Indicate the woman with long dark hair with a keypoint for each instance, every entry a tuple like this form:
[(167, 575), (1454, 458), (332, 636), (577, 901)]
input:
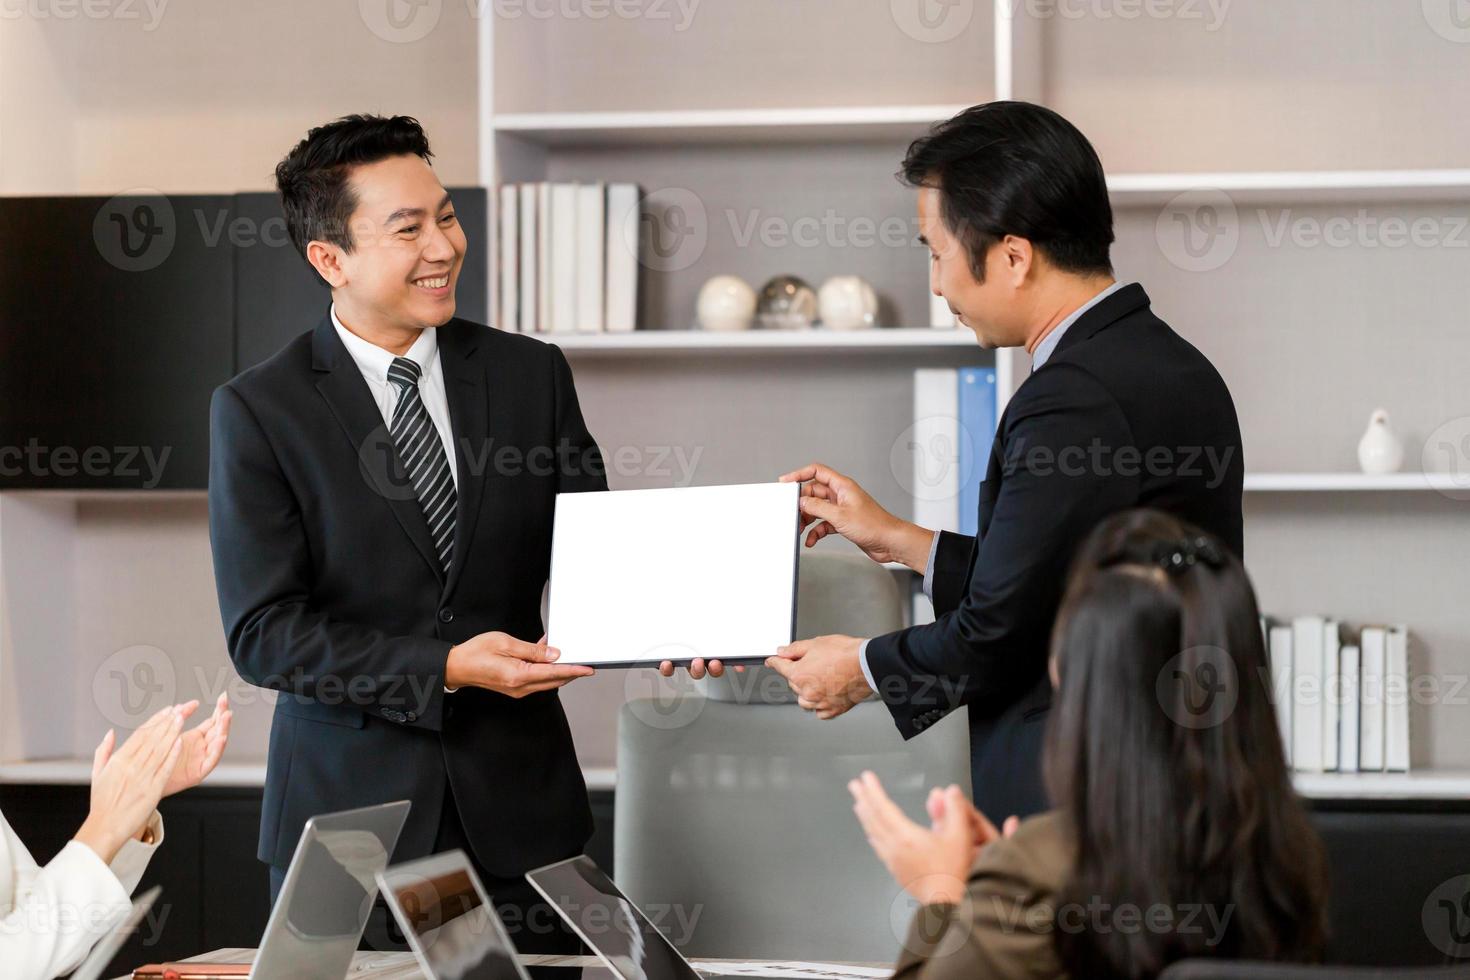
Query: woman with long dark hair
[(1176, 831)]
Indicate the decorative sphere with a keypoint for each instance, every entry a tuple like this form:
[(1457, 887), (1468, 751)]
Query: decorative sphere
[(726, 303), (786, 303), (847, 303)]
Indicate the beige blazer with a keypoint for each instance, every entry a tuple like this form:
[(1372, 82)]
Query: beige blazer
[(51, 917), (1003, 929)]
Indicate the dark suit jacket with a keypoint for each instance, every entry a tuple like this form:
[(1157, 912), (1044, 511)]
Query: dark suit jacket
[(1125, 413), (330, 590)]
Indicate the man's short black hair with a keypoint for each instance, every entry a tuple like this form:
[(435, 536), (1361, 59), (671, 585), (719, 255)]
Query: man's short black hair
[(1013, 168), (316, 196)]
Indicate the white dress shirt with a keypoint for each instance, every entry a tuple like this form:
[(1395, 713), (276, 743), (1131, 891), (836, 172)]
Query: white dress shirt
[(373, 361), (1039, 357), (51, 917)]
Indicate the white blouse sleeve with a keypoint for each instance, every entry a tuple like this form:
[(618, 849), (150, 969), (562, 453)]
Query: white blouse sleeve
[(50, 917)]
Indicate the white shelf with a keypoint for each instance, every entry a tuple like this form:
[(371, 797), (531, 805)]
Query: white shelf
[(78, 772), (1429, 784), (1356, 482), (757, 341), (1296, 187), (841, 123)]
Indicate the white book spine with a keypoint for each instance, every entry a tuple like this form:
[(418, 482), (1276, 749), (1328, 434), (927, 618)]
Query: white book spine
[(1282, 683), (1307, 677), (935, 448), (1331, 695), (1374, 651), (530, 244), (621, 315), (1396, 707), (1352, 673), (563, 258), (543, 256), (509, 254), (591, 257)]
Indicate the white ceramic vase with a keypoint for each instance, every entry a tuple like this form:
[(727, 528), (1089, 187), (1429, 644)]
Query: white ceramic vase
[(847, 303), (1380, 450), (726, 303)]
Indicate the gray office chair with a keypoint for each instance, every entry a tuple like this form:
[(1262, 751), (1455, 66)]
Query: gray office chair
[(1207, 969), (733, 823)]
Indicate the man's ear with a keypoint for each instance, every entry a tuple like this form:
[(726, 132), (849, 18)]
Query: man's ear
[(1018, 256), (326, 259)]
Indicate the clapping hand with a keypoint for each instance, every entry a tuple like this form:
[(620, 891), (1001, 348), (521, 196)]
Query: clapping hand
[(933, 863)]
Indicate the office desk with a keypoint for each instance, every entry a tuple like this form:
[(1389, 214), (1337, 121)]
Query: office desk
[(401, 966), (386, 966)]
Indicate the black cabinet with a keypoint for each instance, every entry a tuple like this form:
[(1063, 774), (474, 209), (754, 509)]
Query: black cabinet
[(120, 316), (115, 327)]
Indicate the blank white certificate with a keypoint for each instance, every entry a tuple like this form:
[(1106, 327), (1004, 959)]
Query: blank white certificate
[(641, 576)]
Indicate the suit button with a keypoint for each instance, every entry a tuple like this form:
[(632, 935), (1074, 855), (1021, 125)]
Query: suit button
[(446, 615)]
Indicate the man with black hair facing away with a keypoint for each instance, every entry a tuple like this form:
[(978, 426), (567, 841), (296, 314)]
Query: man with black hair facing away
[(380, 503), (1118, 412)]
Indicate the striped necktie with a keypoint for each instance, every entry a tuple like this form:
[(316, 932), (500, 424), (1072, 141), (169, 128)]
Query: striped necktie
[(422, 453)]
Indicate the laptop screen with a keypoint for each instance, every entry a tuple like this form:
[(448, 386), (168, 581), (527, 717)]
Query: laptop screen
[(609, 923), (456, 931)]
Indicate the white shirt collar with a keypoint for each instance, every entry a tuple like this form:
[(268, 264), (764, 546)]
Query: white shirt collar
[(1049, 342), (373, 361)]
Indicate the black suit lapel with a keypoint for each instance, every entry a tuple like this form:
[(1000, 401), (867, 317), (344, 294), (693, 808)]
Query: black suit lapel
[(1112, 309), (465, 388), (351, 401)]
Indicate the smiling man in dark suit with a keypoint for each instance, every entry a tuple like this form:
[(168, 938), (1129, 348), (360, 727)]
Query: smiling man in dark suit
[(380, 500), (1119, 412)]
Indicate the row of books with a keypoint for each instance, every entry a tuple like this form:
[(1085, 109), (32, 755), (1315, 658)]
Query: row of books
[(568, 257), (1342, 695), (954, 426)]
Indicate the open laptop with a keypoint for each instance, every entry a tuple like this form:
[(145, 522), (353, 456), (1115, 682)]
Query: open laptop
[(448, 919), (328, 893), (615, 929), (324, 902), (103, 953)]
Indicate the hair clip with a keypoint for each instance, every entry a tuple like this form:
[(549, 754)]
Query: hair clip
[(1176, 557)]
